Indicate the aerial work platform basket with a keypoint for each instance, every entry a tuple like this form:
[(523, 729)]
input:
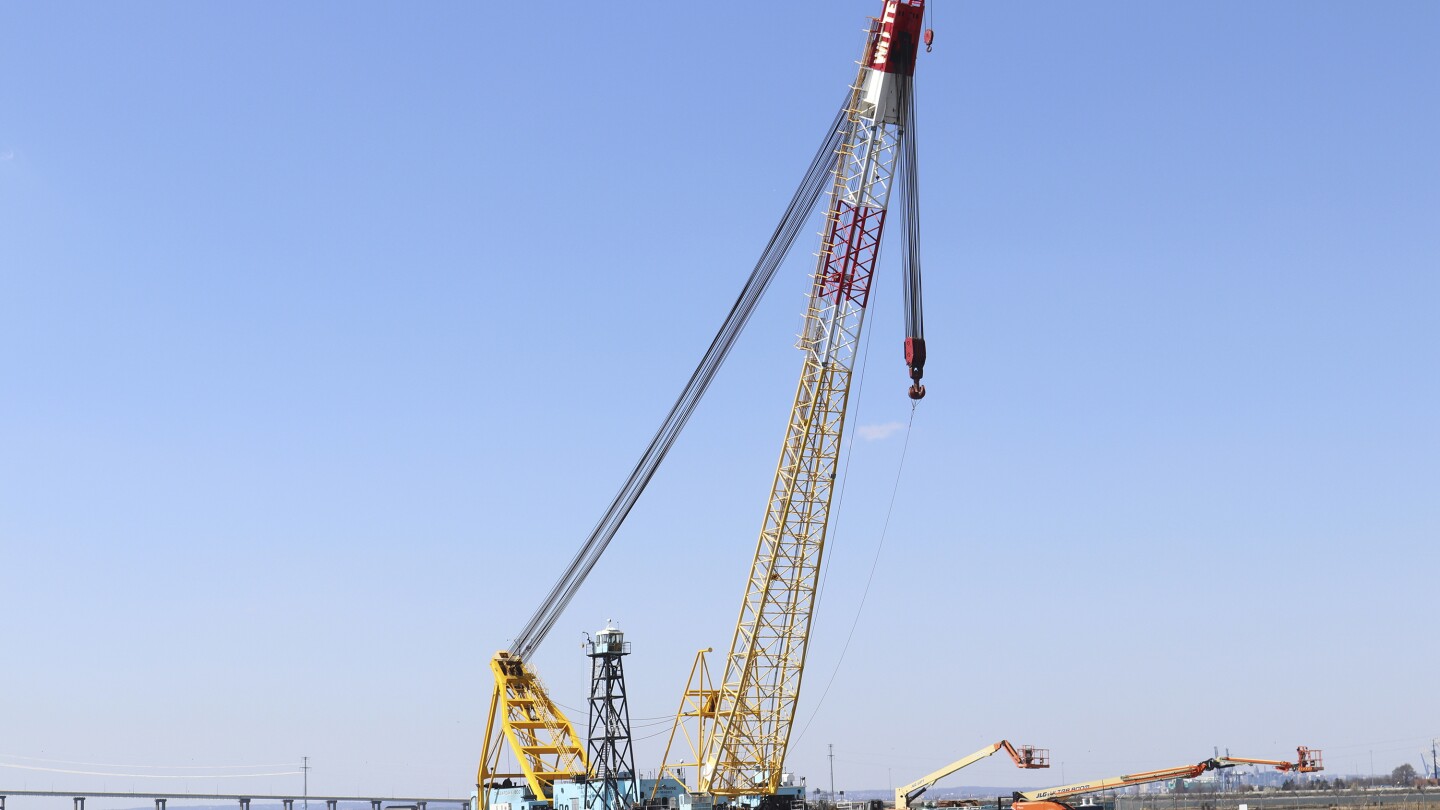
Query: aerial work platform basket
[(1028, 756)]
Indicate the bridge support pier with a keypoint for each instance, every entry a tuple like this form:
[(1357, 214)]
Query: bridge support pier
[(244, 804), (374, 804), (159, 805), (289, 804), (329, 804), (79, 803)]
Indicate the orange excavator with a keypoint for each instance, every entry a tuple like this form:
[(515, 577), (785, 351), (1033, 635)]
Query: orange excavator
[(1308, 760)]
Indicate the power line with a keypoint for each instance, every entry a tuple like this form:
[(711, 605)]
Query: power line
[(149, 775), (145, 767)]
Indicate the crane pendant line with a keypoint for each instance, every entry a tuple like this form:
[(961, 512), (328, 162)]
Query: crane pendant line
[(802, 203)]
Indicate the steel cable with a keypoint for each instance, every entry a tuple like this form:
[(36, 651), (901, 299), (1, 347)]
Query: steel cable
[(817, 177), (907, 175), (869, 579), (910, 215)]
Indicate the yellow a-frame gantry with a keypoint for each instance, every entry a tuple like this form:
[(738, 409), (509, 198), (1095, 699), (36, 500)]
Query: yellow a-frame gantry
[(542, 738)]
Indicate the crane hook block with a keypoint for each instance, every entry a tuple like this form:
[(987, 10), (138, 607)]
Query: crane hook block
[(929, 39), (915, 360)]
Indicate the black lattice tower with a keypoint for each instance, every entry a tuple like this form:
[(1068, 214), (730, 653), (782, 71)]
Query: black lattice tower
[(612, 761)]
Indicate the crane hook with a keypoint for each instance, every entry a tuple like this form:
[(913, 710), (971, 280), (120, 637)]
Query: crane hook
[(915, 362), (929, 42)]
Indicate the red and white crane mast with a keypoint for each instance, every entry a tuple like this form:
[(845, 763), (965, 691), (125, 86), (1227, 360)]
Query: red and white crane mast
[(761, 684)]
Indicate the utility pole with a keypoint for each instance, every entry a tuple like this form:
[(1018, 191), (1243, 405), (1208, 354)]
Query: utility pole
[(1434, 766), (832, 774), (305, 769)]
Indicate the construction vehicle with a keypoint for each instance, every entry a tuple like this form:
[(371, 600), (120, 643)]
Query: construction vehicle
[(1026, 756), (1308, 761), (868, 150)]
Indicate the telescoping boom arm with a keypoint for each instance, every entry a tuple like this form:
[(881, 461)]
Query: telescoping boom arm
[(1036, 799), (1049, 798), (1027, 756)]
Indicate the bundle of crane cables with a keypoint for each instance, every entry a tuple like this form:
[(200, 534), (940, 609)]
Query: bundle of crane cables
[(802, 204), (910, 223)]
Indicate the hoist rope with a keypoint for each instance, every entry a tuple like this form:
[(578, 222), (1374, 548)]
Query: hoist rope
[(914, 328), (874, 564), (816, 179), (910, 215)]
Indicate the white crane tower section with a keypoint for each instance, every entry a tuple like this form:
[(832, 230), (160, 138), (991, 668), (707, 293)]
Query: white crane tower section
[(892, 63)]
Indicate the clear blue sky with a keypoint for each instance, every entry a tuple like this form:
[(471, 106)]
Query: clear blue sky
[(326, 332)]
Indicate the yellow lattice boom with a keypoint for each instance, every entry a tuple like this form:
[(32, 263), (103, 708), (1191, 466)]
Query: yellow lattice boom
[(757, 696)]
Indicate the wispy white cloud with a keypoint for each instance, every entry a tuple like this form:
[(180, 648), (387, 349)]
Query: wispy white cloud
[(8, 154), (874, 433)]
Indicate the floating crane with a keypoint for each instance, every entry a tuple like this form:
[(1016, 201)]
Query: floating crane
[(1308, 761), (868, 148), (1027, 756)]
